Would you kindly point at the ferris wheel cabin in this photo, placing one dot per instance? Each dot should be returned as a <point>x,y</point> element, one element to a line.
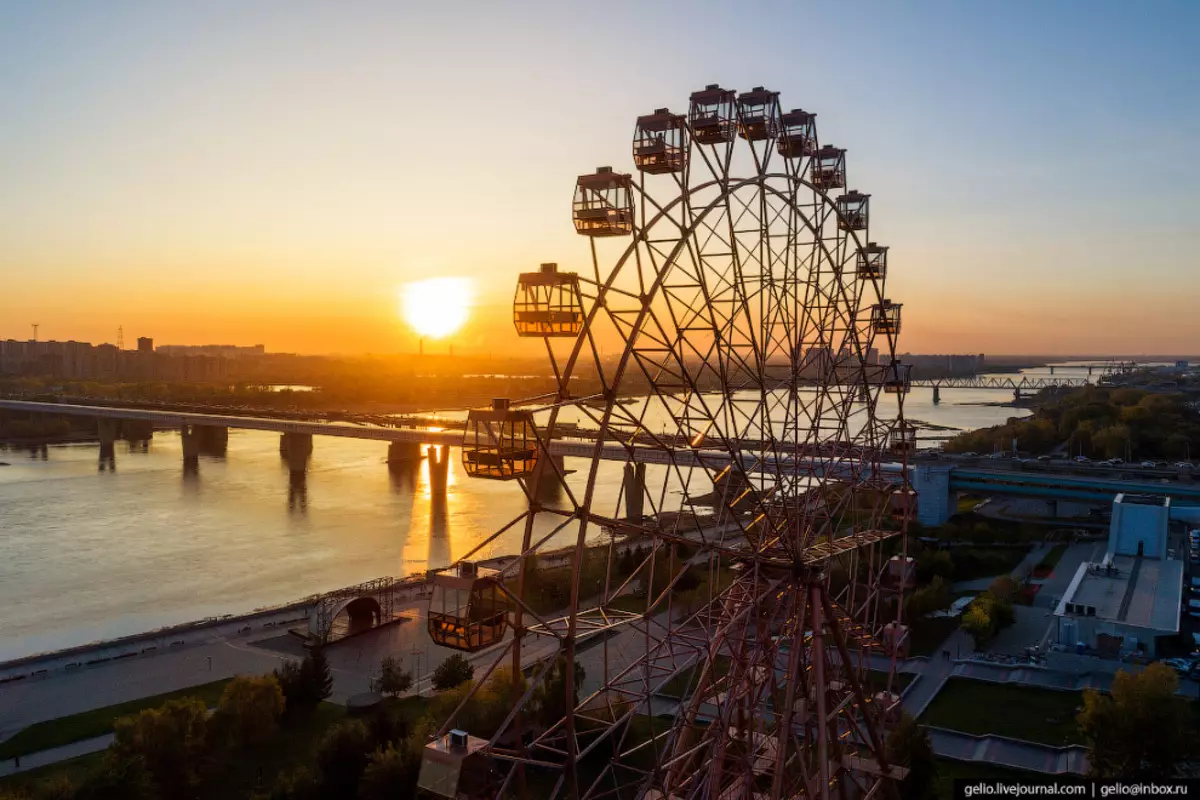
<point>604,204</point>
<point>898,379</point>
<point>711,115</point>
<point>871,262</point>
<point>758,114</point>
<point>828,169</point>
<point>660,142</point>
<point>798,134</point>
<point>902,439</point>
<point>852,211</point>
<point>499,443</point>
<point>885,317</point>
<point>548,303</point>
<point>467,611</point>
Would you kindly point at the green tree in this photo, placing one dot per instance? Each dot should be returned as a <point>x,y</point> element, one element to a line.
<point>452,672</point>
<point>978,624</point>
<point>306,683</point>
<point>908,746</point>
<point>318,675</point>
<point>251,707</point>
<point>299,784</point>
<point>1140,730</point>
<point>170,740</point>
<point>342,756</point>
<point>393,679</point>
<point>549,699</point>
<point>391,773</point>
<point>117,778</point>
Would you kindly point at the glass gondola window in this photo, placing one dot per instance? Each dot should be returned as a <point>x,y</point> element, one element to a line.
<point>711,115</point>
<point>499,442</point>
<point>604,204</point>
<point>467,609</point>
<point>885,317</point>
<point>660,142</point>
<point>871,262</point>
<point>852,211</point>
<point>798,136</point>
<point>828,169</point>
<point>548,303</point>
<point>902,438</point>
<point>758,114</point>
<point>897,380</point>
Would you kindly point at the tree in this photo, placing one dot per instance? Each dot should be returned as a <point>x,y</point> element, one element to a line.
<point>452,672</point>
<point>393,679</point>
<point>299,784</point>
<point>978,624</point>
<point>392,772</point>
<point>908,746</point>
<point>170,740</point>
<point>251,708</point>
<point>318,675</point>
<point>1138,731</point>
<point>342,757</point>
<point>117,778</point>
<point>306,683</point>
<point>550,698</point>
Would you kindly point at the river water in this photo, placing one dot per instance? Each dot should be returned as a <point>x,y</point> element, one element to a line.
<point>89,553</point>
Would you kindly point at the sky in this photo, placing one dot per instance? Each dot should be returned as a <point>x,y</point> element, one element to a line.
<point>274,172</point>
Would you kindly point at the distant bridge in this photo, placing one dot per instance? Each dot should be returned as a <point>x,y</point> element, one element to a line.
<point>996,382</point>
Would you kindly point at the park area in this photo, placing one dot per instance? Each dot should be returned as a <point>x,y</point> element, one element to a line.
<point>1038,715</point>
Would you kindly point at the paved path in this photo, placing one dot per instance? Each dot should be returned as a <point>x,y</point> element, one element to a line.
<point>1014,753</point>
<point>56,754</point>
<point>934,672</point>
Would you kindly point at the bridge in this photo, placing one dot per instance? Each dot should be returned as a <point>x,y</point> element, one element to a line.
<point>1014,384</point>
<point>937,484</point>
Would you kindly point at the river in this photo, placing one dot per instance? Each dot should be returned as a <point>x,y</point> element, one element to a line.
<point>89,554</point>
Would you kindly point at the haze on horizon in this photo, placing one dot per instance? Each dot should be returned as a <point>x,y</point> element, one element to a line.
<point>275,172</point>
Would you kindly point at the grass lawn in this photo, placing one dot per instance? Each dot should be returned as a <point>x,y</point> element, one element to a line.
<point>1046,566</point>
<point>1020,712</point>
<point>97,722</point>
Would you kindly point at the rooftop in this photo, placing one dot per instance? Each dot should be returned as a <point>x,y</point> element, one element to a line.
<point>1136,592</point>
<point>1143,499</point>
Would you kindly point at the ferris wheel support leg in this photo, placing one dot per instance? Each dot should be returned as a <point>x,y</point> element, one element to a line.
<point>818,628</point>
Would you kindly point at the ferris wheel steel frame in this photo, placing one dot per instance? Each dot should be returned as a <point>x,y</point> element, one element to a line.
<point>795,551</point>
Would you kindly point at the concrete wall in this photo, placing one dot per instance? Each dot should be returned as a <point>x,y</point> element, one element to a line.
<point>1133,524</point>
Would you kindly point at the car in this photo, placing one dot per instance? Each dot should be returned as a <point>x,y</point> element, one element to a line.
<point>1185,465</point>
<point>970,454</point>
<point>1082,460</point>
<point>1149,464</point>
<point>1045,458</point>
<point>996,456</point>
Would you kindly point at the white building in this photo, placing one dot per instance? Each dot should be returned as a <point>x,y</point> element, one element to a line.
<point>1135,594</point>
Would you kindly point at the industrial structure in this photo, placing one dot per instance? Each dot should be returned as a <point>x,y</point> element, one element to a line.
<point>1123,602</point>
<point>758,564</point>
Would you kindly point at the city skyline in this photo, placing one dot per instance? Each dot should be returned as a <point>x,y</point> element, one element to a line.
<point>256,174</point>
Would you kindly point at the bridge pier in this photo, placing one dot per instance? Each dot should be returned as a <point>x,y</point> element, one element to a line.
<point>635,492</point>
<point>937,395</point>
<point>214,439</point>
<point>1017,394</point>
<point>295,449</point>
<point>439,469</point>
<point>549,484</point>
<point>106,429</point>
<point>190,436</point>
<point>137,430</point>
<point>404,452</point>
<point>935,502</point>
<point>1051,370</point>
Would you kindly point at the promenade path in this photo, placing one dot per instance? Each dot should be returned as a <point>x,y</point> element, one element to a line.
<point>55,754</point>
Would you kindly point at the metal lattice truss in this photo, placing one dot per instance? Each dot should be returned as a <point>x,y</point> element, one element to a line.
<point>733,612</point>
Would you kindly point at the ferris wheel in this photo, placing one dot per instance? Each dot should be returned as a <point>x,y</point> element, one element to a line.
<point>734,605</point>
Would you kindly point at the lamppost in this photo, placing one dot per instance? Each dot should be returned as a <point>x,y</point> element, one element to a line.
<point>416,654</point>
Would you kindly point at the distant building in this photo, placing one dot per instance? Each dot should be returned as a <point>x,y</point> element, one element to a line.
<point>145,344</point>
<point>212,350</point>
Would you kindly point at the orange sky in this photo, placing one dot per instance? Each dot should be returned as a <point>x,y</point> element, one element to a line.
<point>274,172</point>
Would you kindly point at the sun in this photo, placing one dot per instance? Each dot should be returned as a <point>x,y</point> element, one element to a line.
<point>436,307</point>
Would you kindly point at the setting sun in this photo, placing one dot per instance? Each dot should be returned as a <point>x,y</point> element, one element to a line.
<point>436,307</point>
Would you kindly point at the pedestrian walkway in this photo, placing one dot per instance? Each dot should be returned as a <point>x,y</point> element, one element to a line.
<point>55,754</point>
<point>932,674</point>
<point>1012,753</point>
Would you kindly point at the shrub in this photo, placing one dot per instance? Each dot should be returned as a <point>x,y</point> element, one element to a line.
<point>251,708</point>
<point>342,756</point>
<point>452,672</point>
<point>170,741</point>
<point>393,679</point>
